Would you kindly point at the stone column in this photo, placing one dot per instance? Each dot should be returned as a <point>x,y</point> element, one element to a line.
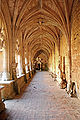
<point>40,66</point>
<point>64,64</point>
<point>23,52</point>
<point>23,58</point>
<point>51,62</point>
<point>54,60</point>
<point>59,71</point>
<point>13,53</point>
<point>13,65</point>
<point>70,66</point>
<point>0,5</point>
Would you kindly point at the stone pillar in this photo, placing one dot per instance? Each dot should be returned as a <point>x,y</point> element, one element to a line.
<point>51,62</point>
<point>13,53</point>
<point>23,52</point>
<point>59,71</point>
<point>14,71</point>
<point>54,60</point>
<point>29,68</point>
<point>13,65</point>
<point>40,66</point>
<point>0,5</point>
<point>69,67</point>
<point>64,64</point>
<point>23,58</point>
<point>60,63</point>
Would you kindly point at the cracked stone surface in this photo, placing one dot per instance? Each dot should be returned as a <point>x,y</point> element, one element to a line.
<point>42,99</point>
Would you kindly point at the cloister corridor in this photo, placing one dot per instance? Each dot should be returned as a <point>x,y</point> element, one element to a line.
<point>42,99</point>
<point>39,59</point>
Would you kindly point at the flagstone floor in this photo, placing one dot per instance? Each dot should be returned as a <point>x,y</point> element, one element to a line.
<point>42,99</point>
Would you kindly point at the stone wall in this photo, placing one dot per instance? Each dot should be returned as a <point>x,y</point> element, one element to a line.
<point>64,53</point>
<point>75,44</point>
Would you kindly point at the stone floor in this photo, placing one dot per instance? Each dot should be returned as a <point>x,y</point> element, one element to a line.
<point>43,100</point>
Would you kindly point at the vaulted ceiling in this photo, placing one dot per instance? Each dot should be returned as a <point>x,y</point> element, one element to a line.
<point>41,22</point>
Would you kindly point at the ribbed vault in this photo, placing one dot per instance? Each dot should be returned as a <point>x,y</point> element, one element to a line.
<point>41,22</point>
